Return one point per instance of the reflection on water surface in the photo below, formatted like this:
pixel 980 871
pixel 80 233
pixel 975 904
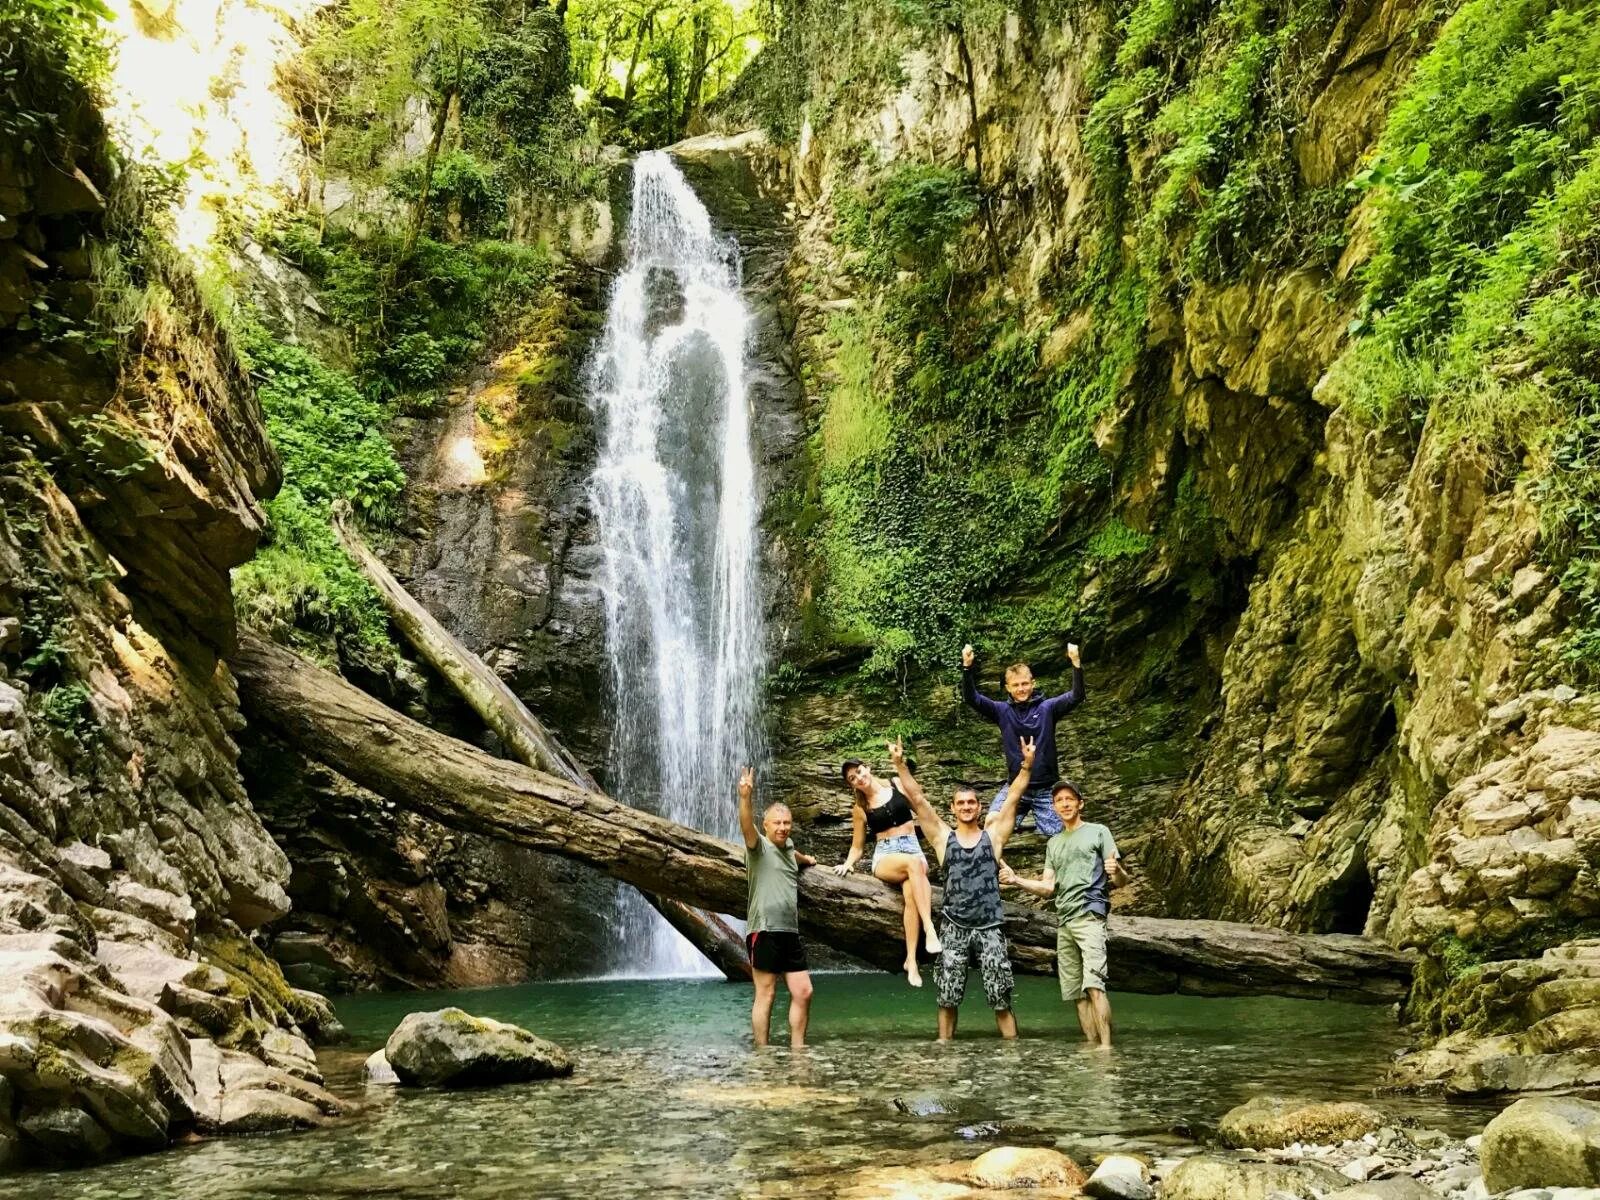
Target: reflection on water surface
pixel 668 1099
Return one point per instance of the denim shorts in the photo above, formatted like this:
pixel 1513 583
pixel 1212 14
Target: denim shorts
pixel 902 843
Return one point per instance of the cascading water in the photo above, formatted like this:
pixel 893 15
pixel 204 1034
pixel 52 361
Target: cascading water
pixel 674 494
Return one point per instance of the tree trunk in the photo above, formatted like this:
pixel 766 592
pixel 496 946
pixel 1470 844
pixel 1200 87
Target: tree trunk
pixel 419 213
pixel 520 732
pixel 448 781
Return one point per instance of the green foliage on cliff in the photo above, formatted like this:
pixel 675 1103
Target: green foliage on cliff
pixel 330 437
pixel 416 323
pixel 50 52
pixel 1480 314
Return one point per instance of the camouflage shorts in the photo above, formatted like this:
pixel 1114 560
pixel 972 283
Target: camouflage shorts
pixel 993 955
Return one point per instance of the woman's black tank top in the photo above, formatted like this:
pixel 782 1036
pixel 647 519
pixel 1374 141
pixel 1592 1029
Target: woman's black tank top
pixel 895 811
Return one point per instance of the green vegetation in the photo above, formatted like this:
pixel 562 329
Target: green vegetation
pixel 53 54
pixel 648 68
pixel 330 437
pixel 1480 315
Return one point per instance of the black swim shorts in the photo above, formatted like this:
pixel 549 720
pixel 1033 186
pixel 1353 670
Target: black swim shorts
pixel 776 951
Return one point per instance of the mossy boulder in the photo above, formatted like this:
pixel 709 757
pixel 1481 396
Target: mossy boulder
pixel 1269 1122
pixel 452 1048
pixel 1543 1142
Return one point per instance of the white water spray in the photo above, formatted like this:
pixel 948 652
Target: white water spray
pixel 674 494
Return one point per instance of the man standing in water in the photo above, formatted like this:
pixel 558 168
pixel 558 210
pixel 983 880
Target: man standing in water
pixel 1080 868
pixel 772 922
pixel 1025 715
pixel 973 915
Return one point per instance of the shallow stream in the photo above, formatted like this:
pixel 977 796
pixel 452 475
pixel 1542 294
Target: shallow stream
pixel 669 1100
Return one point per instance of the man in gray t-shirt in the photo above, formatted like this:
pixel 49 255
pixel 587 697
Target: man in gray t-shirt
pixel 772 922
pixel 1081 866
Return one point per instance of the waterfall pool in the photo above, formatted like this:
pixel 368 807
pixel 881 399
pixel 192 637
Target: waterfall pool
pixel 670 1101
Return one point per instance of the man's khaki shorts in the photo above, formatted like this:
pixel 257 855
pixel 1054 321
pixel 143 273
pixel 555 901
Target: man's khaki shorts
pixel 1081 955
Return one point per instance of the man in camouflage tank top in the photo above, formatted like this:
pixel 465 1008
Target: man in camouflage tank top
pixel 972 917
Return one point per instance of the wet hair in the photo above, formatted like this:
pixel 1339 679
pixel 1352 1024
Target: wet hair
pixel 1017 668
pixel 1065 785
pixel 849 764
pixel 962 788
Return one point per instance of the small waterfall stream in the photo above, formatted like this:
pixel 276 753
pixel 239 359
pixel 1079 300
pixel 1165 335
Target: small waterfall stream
pixel 674 494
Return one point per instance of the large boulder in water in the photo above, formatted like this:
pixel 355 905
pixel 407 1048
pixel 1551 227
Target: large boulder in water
pixel 452 1048
pixel 1271 1122
pixel 1025 1167
pixel 1543 1142
pixel 1207 1178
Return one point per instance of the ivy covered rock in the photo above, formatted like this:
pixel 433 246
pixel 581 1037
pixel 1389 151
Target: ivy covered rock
pixel 451 1048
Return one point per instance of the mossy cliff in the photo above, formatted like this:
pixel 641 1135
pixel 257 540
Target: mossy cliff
pixel 134 872
pixel 1250 345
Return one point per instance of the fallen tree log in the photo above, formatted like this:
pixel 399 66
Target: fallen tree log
pixel 520 732
pixel 458 785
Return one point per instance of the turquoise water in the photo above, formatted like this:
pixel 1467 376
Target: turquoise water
pixel 669 1100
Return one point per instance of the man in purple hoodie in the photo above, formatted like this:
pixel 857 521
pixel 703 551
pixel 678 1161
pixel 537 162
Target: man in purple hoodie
pixel 1025 715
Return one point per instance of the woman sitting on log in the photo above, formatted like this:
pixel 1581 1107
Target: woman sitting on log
pixel 897 858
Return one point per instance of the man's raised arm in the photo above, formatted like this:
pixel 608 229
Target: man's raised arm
pixel 932 826
pixel 1005 820
pixel 747 816
pixel 1074 695
pixel 974 699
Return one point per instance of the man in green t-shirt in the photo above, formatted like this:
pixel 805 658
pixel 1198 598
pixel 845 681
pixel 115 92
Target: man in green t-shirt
pixel 772 923
pixel 1080 869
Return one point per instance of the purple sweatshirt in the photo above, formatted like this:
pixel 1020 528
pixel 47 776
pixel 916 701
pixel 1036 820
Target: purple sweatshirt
pixel 1034 719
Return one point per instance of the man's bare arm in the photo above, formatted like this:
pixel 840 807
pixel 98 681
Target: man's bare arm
pixel 1116 872
pixel 1044 888
pixel 1005 821
pixel 747 816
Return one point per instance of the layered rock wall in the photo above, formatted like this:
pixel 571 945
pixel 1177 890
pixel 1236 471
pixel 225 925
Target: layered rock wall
pixel 133 870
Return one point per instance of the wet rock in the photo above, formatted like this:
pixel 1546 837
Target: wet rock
pixel 1025 1167
pixel 1402 1187
pixel 1269 1122
pixel 10 1138
pixel 236 1093
pixel 1211 1178
pixel 377 1071
pixel 1120 1177
pixel 66 1135
pixel 452 1048
pixel 1543 1142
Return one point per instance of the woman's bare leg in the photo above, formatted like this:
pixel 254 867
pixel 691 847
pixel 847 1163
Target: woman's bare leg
pixel 900 869
pixel 923 893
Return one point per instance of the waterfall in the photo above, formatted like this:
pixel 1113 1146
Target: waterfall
pixel 674 495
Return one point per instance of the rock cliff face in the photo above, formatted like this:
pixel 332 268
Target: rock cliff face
pixel 133 869
pixel 1370 732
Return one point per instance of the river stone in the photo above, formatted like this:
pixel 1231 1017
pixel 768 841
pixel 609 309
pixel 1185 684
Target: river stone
pixel 452 1048
pixel 1119 1177
pixel 378 1072
pixel 1272 1122
pixel 1209 1178
pixel 1543 1142
pixel 1401 1187
pixel 1025 1167
pixel 66 1135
